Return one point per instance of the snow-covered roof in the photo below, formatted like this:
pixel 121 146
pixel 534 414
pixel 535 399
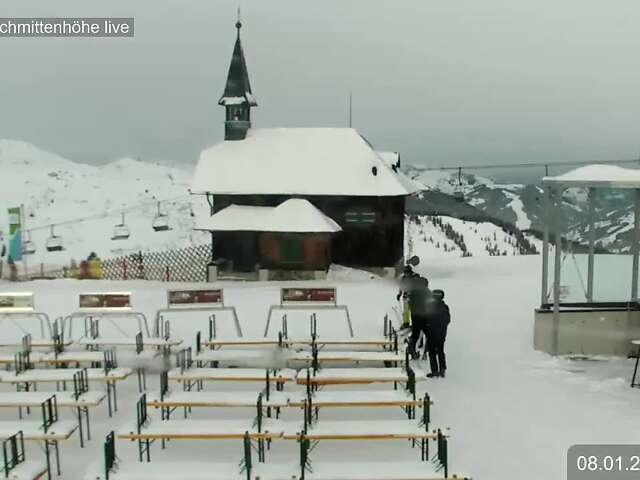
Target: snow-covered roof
pixel 293 215
pixel 607 176
pixel 303 161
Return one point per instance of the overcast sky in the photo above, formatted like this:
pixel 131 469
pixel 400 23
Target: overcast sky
pixel 443 82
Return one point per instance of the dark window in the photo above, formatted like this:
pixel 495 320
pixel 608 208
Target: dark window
pixel 360 217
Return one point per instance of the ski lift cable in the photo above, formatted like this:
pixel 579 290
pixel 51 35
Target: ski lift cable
pixel 529 165
pixel 106 214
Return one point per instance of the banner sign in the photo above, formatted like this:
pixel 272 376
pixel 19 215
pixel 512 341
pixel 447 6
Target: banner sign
pixel 16 302
pixel 15 234
pixel 105 301
pixel 194 298
pixel 308 295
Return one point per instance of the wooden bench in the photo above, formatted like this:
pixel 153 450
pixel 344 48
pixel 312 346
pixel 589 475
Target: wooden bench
pixel 436 468
pixel 314 431
pixel 168 400
pixel 49 431
pixel 191 375
pixel 115 469
pixel 27 380
pixel 15 466
pixel 352 376
pixel 146 431
pixel 80 399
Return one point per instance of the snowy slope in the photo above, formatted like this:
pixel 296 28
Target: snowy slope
pixel 56 190
pixel 522 205
pixel 426 238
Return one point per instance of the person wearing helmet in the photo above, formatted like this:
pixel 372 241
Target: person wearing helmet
pixel 438 320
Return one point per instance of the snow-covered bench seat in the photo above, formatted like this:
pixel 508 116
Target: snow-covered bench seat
pixel 28 379
pixel 146 430
pixel 176 471
pixel 375 471
pixel 347 376
pixel 15 466
pixel 358 399
pixel 28 470
pixel 117 341
pixel 180 429
pixel 33 431
pixel 49 430
pixel 64 375
pixel 169 400
pixel 338 356
pixel 36 343
pixel 328 342
pixel 243 470
pixel 364 430
pixel 213 399
pixel 80 401
pixel 234 356
pixel 9 359
pixel 254 342
pixel 231 375
pixel 87 357
pixel 64 399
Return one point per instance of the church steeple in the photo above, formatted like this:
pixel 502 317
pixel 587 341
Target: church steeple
pixel 237 97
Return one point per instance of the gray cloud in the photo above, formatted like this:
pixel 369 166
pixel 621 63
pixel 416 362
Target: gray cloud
pixel 445 83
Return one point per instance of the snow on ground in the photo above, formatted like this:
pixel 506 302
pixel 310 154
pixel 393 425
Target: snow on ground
pixel 56 190
pixel 428 240
pixel 513 412
pixel 522 221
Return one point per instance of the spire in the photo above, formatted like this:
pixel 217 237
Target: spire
pixel 238 89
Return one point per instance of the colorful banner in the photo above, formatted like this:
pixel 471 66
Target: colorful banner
pixel 18 302
pixel 308 295
pixel 194 298
pixel 104 301
pixel 15 234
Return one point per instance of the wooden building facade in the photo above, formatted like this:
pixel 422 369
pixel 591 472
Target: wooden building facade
pixel 335 169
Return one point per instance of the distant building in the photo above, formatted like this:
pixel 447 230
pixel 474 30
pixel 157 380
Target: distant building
pixel 350 199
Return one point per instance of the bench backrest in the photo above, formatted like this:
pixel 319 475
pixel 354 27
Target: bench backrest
pixel 442 454
pixel 212 327
pixel 139 343
pixel 26 343
pixel 411 381
pixel 49 412
pixel 109 454
pixel 247 463
pixel 22 362
pixel 110 360
pixel 57 335
pixel 164 384
pixel 80 383
pixel 426 410
pixel 141 412
pixel 13 452
pixel 184 359
pixel 305 462
pixel 259 413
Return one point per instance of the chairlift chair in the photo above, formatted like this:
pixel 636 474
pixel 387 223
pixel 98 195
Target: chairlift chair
pixel 121 231
pixel 54 242
pixel 160 221
pixel 28 247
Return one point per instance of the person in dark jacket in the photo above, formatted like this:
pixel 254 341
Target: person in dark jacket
pixel 405 285
pixel 437 322
pixel 419 294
